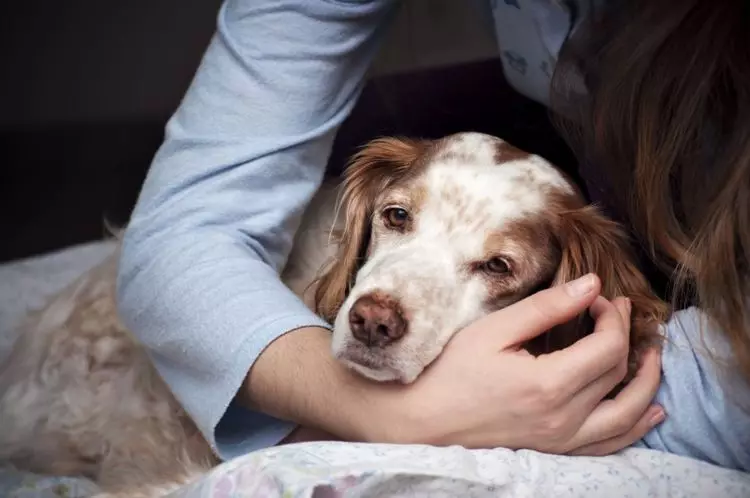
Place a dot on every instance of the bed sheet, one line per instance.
(360, 470)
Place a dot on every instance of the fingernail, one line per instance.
(657, 352)
(629, 305)
(657, 417)
(581, 286)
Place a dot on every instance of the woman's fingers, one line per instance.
(544, 310)
(650, 419)
(593, 358)
(619, 416)
(591, 395)
(587, 399)
(624, 306)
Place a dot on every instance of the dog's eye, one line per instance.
(497, 265)
(395, 217)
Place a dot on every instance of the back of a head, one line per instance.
(665, 116)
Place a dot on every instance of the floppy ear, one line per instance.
(377, 166)
(591, 243)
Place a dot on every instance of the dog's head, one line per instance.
(439, 233)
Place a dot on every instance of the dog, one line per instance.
(428, 236)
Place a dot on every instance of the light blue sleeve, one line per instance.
(243, 155)
(708, 408)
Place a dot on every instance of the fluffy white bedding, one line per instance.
(358, 470)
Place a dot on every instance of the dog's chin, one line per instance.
(377, 375)
(372, 367)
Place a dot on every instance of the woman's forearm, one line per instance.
(296, 378)
(215, 220)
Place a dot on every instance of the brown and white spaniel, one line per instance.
(431, 235)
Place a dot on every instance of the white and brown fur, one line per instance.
(79, 396)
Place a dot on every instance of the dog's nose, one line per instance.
(377, 320)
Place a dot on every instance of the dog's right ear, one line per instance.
(593, 243)
(373, 169)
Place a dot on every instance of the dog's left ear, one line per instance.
(376, 167)
(592, 243)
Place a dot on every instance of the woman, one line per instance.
(667, 113)
(247, 149)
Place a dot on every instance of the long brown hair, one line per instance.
(656, 94)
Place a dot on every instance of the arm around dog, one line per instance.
(243, 155)
(710, 404)
(551, 404)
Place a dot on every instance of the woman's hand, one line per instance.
(485, 391)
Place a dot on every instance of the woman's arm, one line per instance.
(482, 391)
(214, 224)
(199, 280)
(708, 407)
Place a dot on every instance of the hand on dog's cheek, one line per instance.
(484, 392)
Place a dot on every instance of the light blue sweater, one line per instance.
(243, 155)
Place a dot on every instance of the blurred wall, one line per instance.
(77, 61)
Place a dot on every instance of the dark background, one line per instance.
(81, 113)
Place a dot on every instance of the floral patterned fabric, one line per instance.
(16, 484)
(328, 470)
(332, 470)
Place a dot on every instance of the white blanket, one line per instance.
(359, 470)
